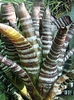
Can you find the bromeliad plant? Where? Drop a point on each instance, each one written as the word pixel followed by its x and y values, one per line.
pixel 34 56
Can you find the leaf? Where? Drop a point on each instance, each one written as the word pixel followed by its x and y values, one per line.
pixel 2 87
pixel 3 96
pixel 13 1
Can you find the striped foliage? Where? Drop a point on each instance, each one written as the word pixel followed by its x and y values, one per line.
pixel 48 28
pixel 28 57
pixel 69 36
pixel 41 8
pixel 69 54
pixel 36 12
pixel 33 74
pixel 6 70
pixel 9 85
pixel 27 26
pixel 62 21
pixel 9 18
pixel 48 73
pixel 22 73
pixel 60 84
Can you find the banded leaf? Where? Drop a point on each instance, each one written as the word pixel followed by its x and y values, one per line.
pixel 62 21
pixel 27 27
pixel 69 54
pixel 9 85
pixel 14 80
pixel 42 7
pixel 36 19
pixel 23 74
pixel 28 57
pixel 60 84
pixel 48 73
pixel 69 36
pixel 48 28
pixel 9 18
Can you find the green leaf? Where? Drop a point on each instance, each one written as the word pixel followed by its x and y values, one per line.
pixel 2 87
pixel 2 96
pixel 14 1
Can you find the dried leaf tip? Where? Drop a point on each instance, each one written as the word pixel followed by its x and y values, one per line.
pixel 21 4
pixel 47 13
pixel 62 30
pixel 20 8
pixel 5 4
pixel 48 10
pixel 35 11
pixel 67 19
